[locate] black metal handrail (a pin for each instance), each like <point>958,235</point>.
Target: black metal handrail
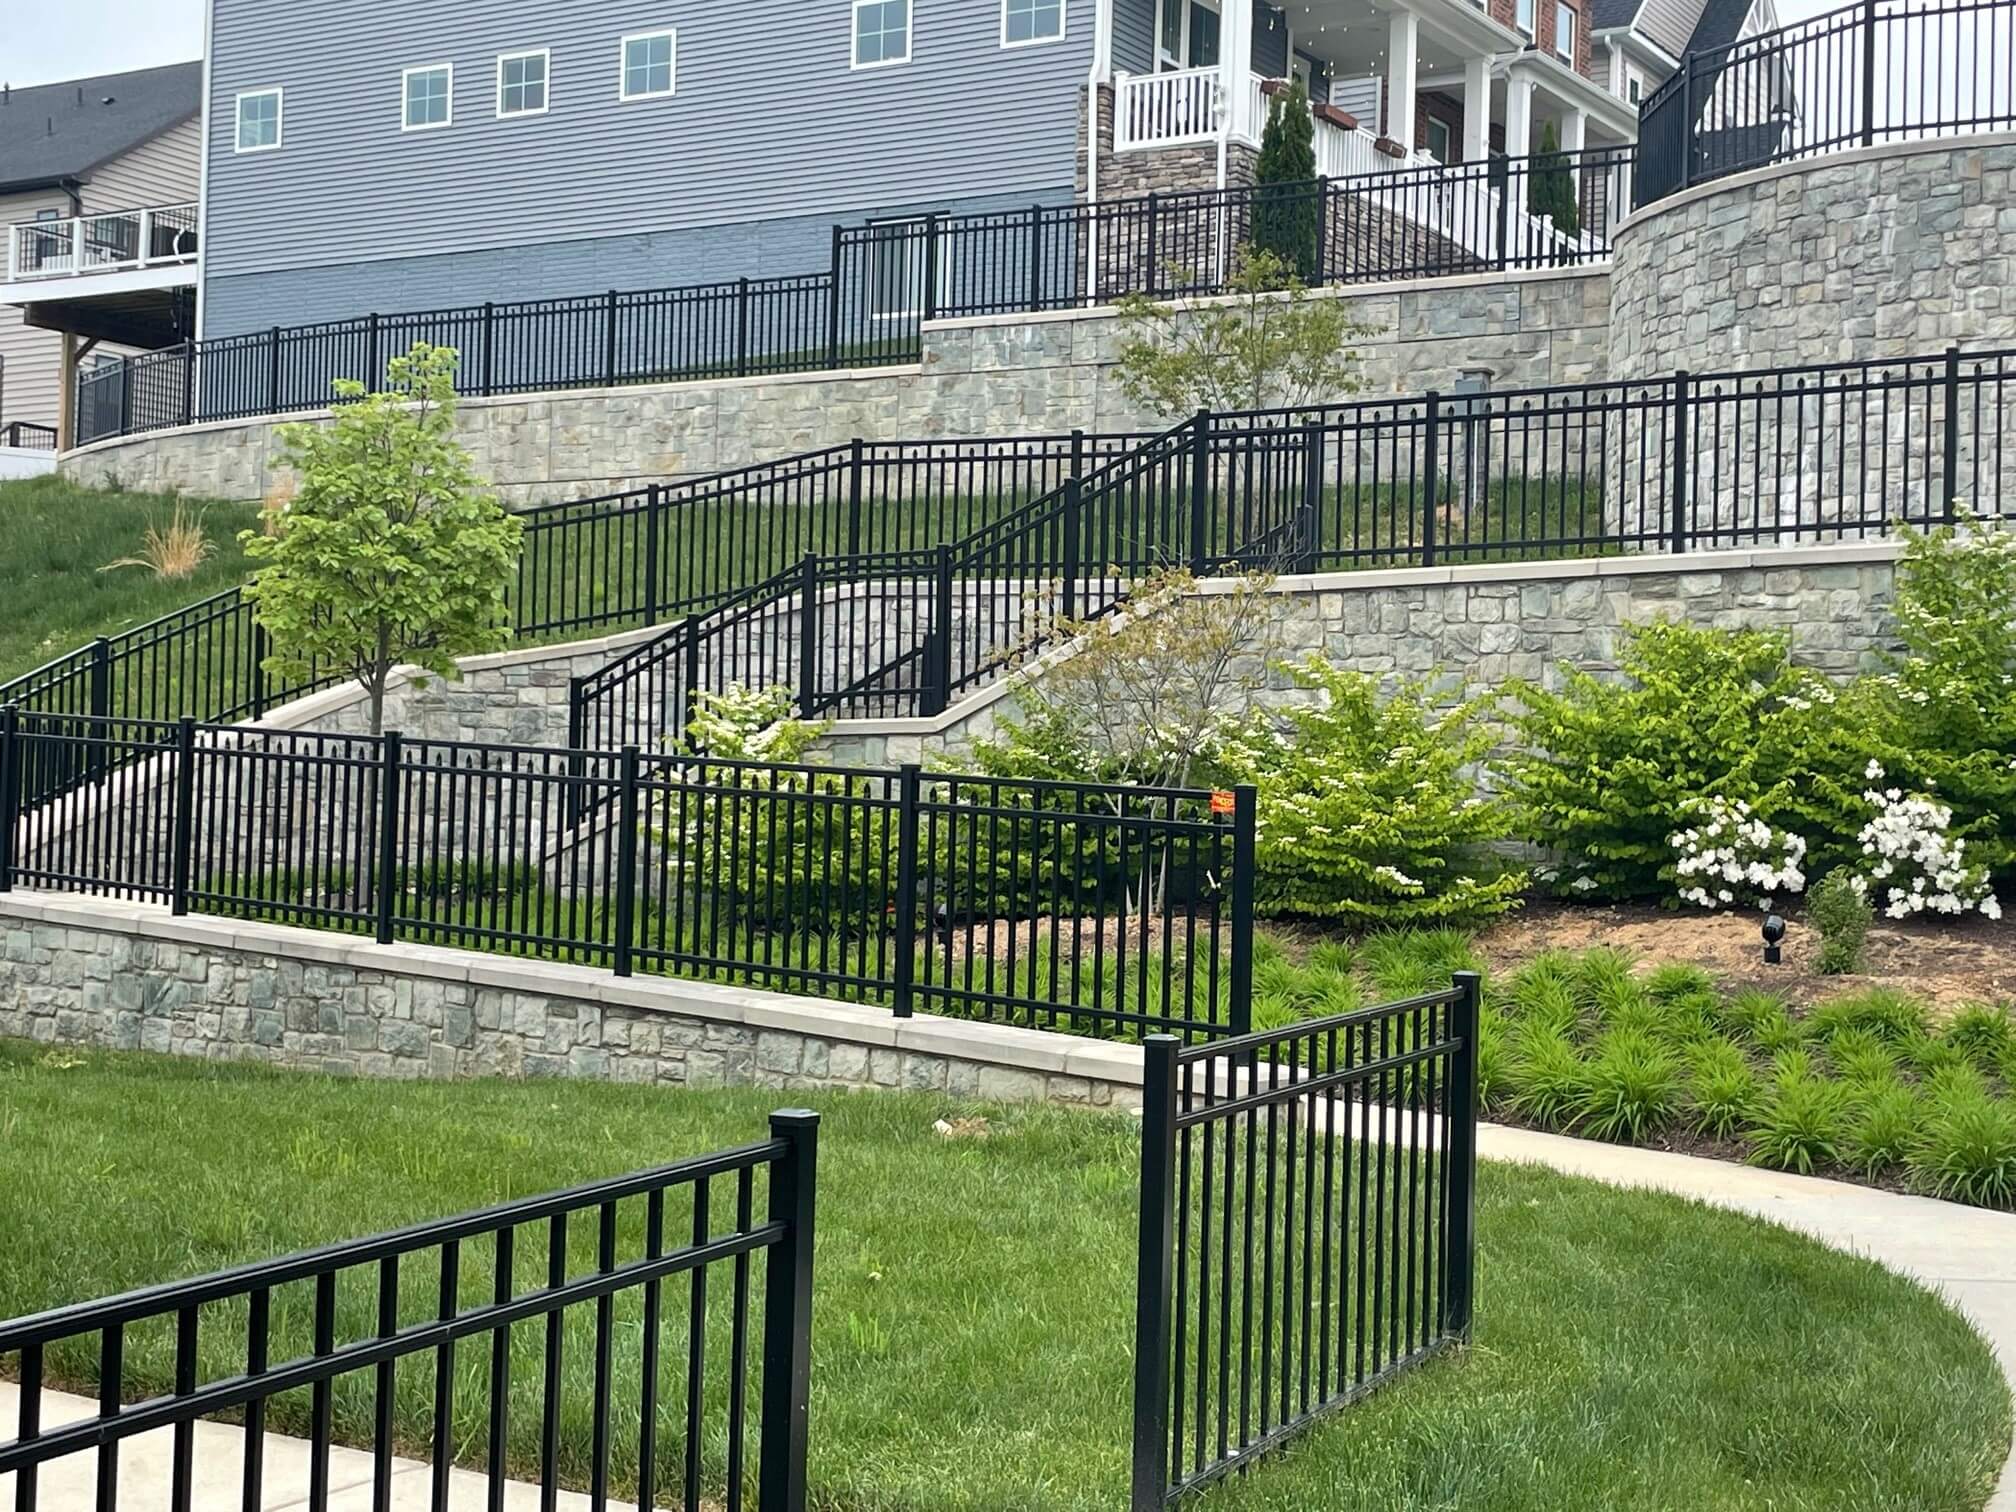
<point>1872,72</point>
<point>628,1270</point>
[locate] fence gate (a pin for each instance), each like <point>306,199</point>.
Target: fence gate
<point>1307,1228</point>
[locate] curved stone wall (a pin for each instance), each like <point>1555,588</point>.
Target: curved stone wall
<point>1887,251</point>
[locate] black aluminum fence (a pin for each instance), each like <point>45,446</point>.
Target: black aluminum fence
<point>430,1335</point>
<point>1307,1228</point>
<point>1087,908</point>
<point>1877,71</point>
<point>1674,464</point>
<point>27,435</point>
<point>886,279</point>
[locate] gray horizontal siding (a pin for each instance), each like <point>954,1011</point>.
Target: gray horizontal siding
<point>1270,42</point>
<point>768,121</point>
<point>1134,36</point>
<point>250,302</point>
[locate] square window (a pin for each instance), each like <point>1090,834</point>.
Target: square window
<point>881,32</point>
<point>1026,21</point>
<point>259,121</point>
<point>648,65</point>
<point>1564,31</point>
<point>521,83</point>
<point>429,97</point>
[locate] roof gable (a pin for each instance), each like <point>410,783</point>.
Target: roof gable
<point>52,132</point>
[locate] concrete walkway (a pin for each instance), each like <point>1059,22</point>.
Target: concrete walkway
<point>1967,1255</point>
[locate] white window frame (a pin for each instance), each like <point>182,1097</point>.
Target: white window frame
<point>1063,26</point>
<point>546,82</point>
<point>406,100</point>
<point>1181,61</point>
<point>1634,87</point>
<point>1564,11</point>
<point>1435,124</point>
<point>1526,16</point>
<point>279,119</point>
<point>671,35</point>
<point>854,37</point>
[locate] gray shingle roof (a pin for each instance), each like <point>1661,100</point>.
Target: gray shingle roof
<point>47,136</point>
<point>1608,13</point>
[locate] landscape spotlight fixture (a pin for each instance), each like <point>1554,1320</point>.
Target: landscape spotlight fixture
<point>1774,932</point>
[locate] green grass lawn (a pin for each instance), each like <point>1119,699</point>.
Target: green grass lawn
<point>59,535</point>
<point>974,1303</point>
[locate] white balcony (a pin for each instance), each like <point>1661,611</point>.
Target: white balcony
<point>89,246</point>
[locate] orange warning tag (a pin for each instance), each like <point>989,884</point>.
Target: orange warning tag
<point>1223,802</point>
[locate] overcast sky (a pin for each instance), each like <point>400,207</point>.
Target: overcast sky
<point>43,41</point>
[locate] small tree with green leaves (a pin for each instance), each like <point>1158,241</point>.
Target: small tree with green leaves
<point>1550,188</point>
<point>1286,201</point>
<point>391,550</point>
<point>1269,343</point>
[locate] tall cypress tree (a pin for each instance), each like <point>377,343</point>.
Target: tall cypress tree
<point>1286,201</point>
<point>1550,187</point>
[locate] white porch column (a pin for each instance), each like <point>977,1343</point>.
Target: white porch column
<point>1476,110</point>
<point>1518,115</point>
<point>1574,133</point>
<point>1402,50</point>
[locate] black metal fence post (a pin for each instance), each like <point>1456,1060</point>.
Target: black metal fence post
<point>856,464</point>
<point>626,862</point>
<point>787,1315</point>
<point>273,371</point>
<point>690,688</point>
<point>1680,420</point>
<point>808,636</point>
<point>833,301</point>
<point>1036,257</point>
<point>489,349</point>
<point>1308,529</point>
<point>1321,273</point>
<point>1154,1279</point>
<point>1868,72</point>
<point>931,271</point>
<point>1950,441</point>
<point>938,656</point>
<point>390,752</point>
<point>654,510</point>
<point>1431,486</point>
<point>1460,1151</point>
<point>1245,836</point>
<point>609,342</point>
<point>11,762</point>
<point>1073,525</point>
<point>188,382</point>
<point>576,803</point>
<point>1154,224</point>
<point>1200,494</point>
<point>126,396</point>
<point>1686,120</point>
<point>256,675</point>
<point>372,371</point>
<point>903,931</point>
<point>182,846</point>
<point>101,708</point>
<point>742,328</point>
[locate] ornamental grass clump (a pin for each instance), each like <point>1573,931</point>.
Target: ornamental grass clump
<point>1548,1079</point>
<point>1634,1088</point>
<point>1882,1129</point>
<point>1966,1150</point>
<point>1800,1125</point>
<point>1724,1089</point>
<point>1985,1036</point>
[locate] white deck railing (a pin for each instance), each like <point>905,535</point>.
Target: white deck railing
<point>114,242</point>
<point>1165,109</point>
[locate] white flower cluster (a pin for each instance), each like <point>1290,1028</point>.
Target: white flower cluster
<point>1912,863</point>
<point>1397,879</point>
<point>1733,856</point>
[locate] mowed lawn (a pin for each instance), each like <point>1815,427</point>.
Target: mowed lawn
<point>54,597</point>
<point>974,1299</point>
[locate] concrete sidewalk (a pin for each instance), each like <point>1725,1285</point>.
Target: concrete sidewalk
<point>1967,1255</point>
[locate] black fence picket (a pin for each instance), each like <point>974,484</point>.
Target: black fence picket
<point>615,1272</point>
<point>1307,1228</point>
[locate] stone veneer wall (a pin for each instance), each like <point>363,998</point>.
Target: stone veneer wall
<point>1482,626</point>
<point>1889,251</point>
<point>1018,374</point>
<point>127,976</point>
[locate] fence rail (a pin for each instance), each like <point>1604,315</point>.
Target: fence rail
<point>1087,908</point>
<point>1876,71</point>
<point>460,1311</point>
<point>28,435</point>
<point>1307,1228</point>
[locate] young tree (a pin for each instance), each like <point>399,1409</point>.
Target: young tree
<point>1550,188</point>
<point>1286,201</point>
<point>1269,343</point>
<point>391,550</point>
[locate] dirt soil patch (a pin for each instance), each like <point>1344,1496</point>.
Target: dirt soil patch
<point>1952,962</point>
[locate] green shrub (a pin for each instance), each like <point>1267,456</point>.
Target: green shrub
<point>1862,1060</point>
<point>1492,1055</point>
<point>1894,1017</point>
<point>1985,1036</point>
<point>1842,915</point>
<point>1633,1088</point>
<point>1548,1079</point>
<point>1799,1128</point>
<point>1967,1150</point>
<point>1607,771</point>
<point>1674,980</point>
<point>1724,1089</point>
<point>1605,976</point>
<point>1882,1128</point>
<point>1761,1018</point>
<point>1369,809</point>
<point>1545,1004</point>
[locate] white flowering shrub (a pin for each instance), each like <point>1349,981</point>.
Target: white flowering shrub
<point>1912,863</point>
<point>1731,858</point>
<point>750,724</point>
